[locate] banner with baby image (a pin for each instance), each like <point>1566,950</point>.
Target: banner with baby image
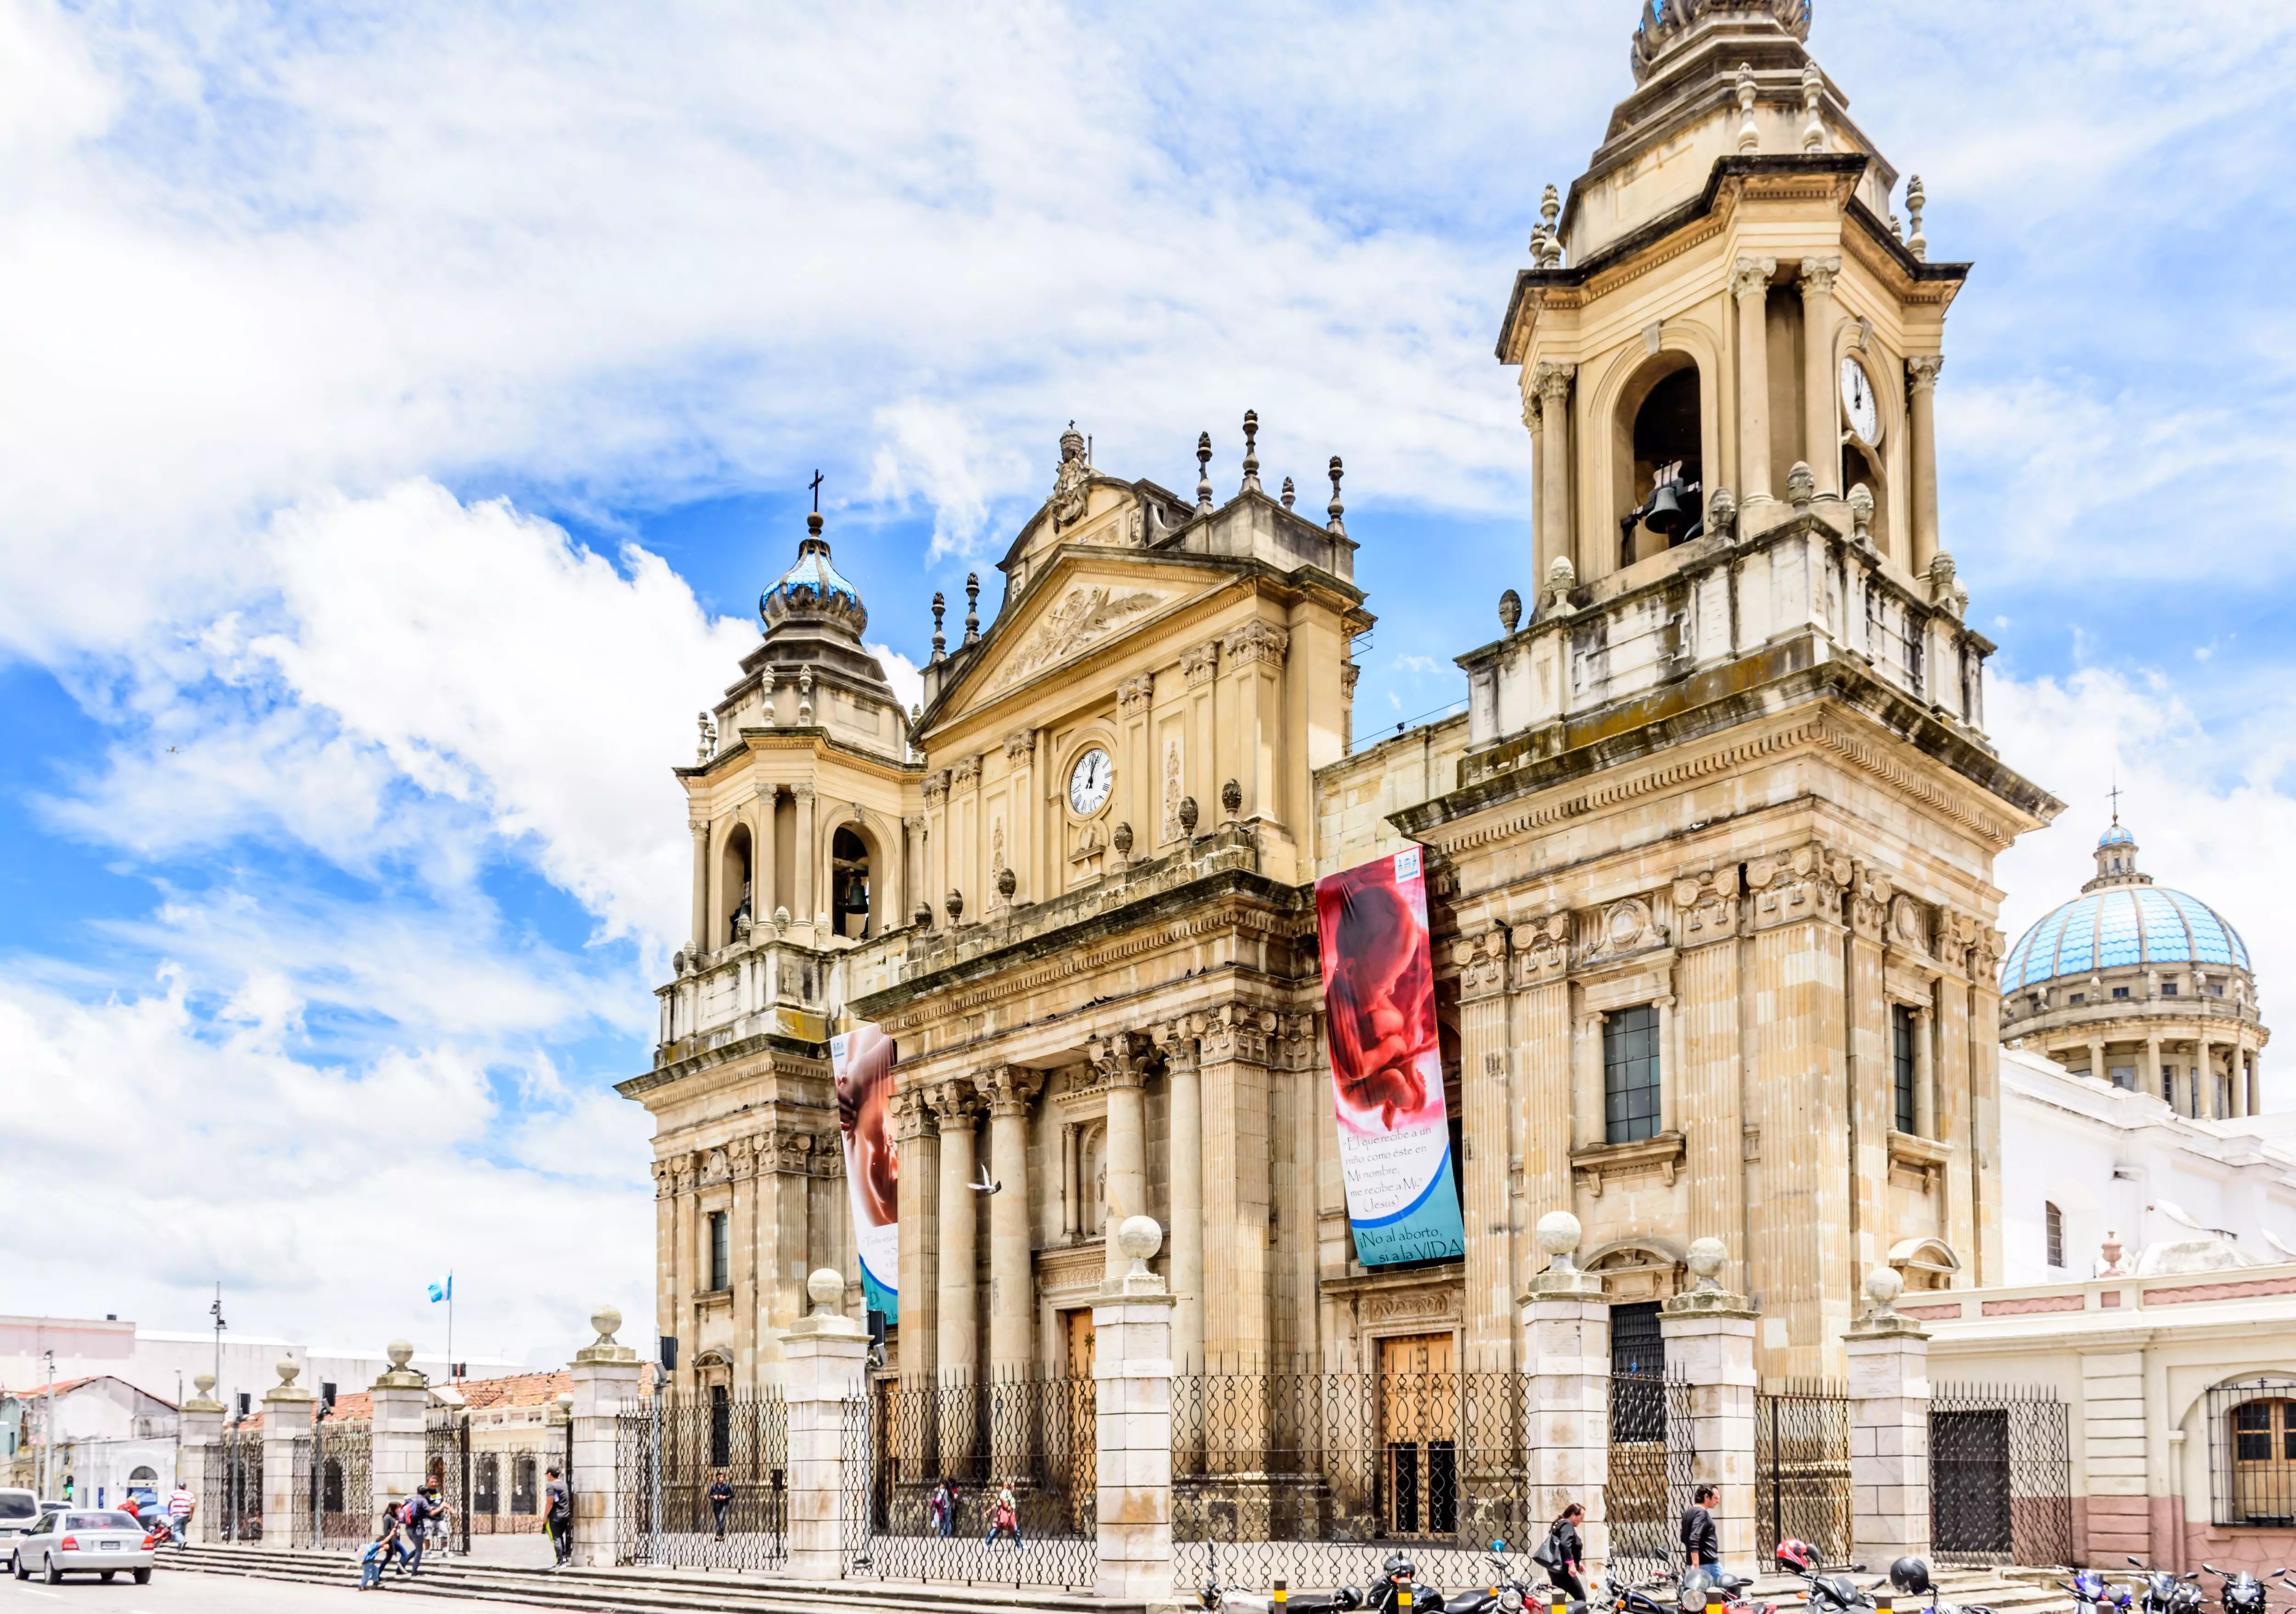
<point>1387,1072</point>
<point>861,1063</point>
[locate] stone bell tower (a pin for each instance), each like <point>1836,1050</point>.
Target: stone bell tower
<point>1723,837</point>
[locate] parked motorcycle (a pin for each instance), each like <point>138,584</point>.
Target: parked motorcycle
<point>2166,1592</point>
<point>1827,1594</point>
<point>2097,1595</point>
<point>1911,1576</point>
<point>2242,1593</point>
<point>1236,1600</point>
<point>1734,1588</point>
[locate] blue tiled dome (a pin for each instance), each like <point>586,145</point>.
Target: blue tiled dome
<point>2116,837</point>
<point>813,588</point>
<point>2118,925</point>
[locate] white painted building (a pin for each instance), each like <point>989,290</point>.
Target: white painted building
<point>102,1434</point>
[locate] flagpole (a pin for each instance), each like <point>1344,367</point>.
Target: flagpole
<point>452,1376</point>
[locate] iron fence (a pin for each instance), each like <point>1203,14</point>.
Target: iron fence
<point>1315,1477</point>
<point>744,1441</point>
<point>343,1511</point>
<point>1649,1482</point>
<point>234,1486</point>
<point>635,1474</point>
<point>1801,1468</point>
<point>447,1464</point>
<point>1029,1436</point>
<point>2000,1475</point>
<point>2253,1452</point>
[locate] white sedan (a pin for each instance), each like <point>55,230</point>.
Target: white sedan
<point>82,1542</point>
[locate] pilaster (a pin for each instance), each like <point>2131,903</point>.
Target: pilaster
<point>1710,1110</point>
<point>400,1401</point>
<point>918,1195</point>
<point>200,1424</point>
<point>1132,1371</point>
<point>1567,1323</point>
<point>1889,1427</point>
<point>1481,961</point>
<point>606,1380</point>
<point>1710,1340</point>
<point>1236,1153</point>
<point>1539,1134</point>
<point>287,1413</point>
<point>1185,1171</point>
<point>826,1354</point>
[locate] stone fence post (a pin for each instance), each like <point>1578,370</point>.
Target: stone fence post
<point>1567,1322</point>
<point>401,1403</point>
<point>202,1427</point>
<point>606,1380</point>
<point>1709,1335</point>
<point>1889,1427</point>
<point>825,1356</point>
<point>1132,1371</point>
<point>287,1413</point>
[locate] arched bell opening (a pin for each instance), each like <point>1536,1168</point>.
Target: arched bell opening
<point>850,890</point>
<point>1659,449</point>
<point>736,898</point>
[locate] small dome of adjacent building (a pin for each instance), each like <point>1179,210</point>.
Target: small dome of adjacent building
<point>2116,837</point>
<point>813,588</point>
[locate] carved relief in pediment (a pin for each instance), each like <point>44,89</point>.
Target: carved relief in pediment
<point>1085,614</point>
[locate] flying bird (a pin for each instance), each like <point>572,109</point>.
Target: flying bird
<point>982,1185</point>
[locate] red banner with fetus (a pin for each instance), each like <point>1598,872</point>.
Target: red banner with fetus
<point>1387,1068</point>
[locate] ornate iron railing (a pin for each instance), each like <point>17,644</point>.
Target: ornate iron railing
<point>742,1440</point>
<point>2000,1475</point>
<point>1649,1482</point>
<point>447,1464</point>
<point>1315,1477</point>
<point>233,1484</point>
<point>1801,1468</point>
<point>342,1506</point>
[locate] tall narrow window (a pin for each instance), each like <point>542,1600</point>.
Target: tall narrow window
<point>721,1252</point>
<point>1630,1074</point>
<point>1901,1051</point>
<point>2054,1222</point>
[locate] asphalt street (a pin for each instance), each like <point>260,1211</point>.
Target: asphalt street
<point>181,1592</point>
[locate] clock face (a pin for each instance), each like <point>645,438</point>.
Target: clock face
<point>1858,403</point>
<point>1089,781</point>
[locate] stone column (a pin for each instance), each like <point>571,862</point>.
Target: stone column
<point>2096,1059</point>
<point>806,860</point>
<point>287,1413</point>
<point>1568,1444</point>
<point>1889,1427</point>
<point>700,940</point>
<point>826,1354</point>
<point>400,1399</point>
<point>1553,384</point>
<point>2151,1082</point>
<point>1821,412</point>
<point>1749,283</point>
<point>201,1424</point>
<point>1012,1283</point>
<point>2205,1079</point>
<point>1184,1172</point>
<point>956,1107</point>
<point>1710,1338</point>
<point>1119,1059</point>
<point>1710,1110</point>
<point>2249,1086</point>
<point>765,883</point>
<point>1920,405</point>
<point>1132,1374</point>
<point>606,1377</point>
<point>918,1139</point>
<point>1234,1045</point>
<point>1925,1072</point>
<point>1483,965</point>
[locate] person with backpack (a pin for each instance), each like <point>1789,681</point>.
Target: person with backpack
<point>941,1509</point>
<point>1563,1554</point>
<point>416,1517</point>
<point>1701,1543</point>
<point>558,1518</point>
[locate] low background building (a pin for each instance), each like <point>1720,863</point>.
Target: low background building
<point>103,1432</point>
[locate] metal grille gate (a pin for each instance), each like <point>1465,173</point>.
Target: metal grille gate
<point>1649,1484</point>
<point>1031,1434</point>
<point>2000,1475</point>
<point>342,1501</point>
<point>1315,1477</point>
<point>744,1440</point>
<point>1801,1468</point>
<point>234,1484</point>
<point>635,1474</point>
<point>447,1464</point>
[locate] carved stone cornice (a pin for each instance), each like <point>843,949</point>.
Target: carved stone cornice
<point>1552,382</point>
<point>1020,742</point>
<point>1256,642</point>
<point>1010,1087</point>
<point>1750,276</point>
<point>1134,694</point>
<point>1482,964</point>
<point>1542,948</point>
<point>1804,884</point>
<point>1706,906</point>
<point>1199,663</point>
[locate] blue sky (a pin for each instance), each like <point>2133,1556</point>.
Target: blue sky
<point>405,406</point>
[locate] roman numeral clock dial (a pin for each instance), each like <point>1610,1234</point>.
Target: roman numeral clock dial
<point>1089,782</point>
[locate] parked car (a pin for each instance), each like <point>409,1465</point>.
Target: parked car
<point>75,1541</point>
<point>19,1509</point>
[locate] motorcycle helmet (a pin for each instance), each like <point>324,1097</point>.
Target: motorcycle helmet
<point>1910,1574</point>
<point>1796,1556</point>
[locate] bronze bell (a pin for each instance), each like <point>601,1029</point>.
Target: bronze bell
<point>1666,513</point>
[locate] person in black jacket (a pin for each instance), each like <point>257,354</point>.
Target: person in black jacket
<point>1701,1543</point>
<point>1564,1556</point>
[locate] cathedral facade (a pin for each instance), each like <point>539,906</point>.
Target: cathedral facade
<point>1709,856</point>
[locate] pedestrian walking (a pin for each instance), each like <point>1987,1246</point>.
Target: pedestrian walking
<point>941,1509</point>
<point>1005,1520</point>
<point>180,1507</point>
<point>422,1509</point>
<point>558,1518</point>
<point>372,1560</point>
<point>1702,1543</point>
<point>721,1497</point>
<point>1563,1554</point>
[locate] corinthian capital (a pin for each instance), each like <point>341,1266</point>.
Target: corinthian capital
<point>1551,381</point>
<point>1817,275</point>
<point>1921,370</point>
<point>1011,1088</point>
<point>1752,277</point>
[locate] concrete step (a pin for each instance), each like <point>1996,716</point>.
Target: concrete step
<point>644,1590</point>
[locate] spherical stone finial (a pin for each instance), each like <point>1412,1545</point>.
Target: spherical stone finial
<point>287,1367</point>
<point>1139,1237</point>
<point>1884,1285</point>
<point>608,1321</point>
<point>1558,1236</point>
<point>1706,1259</point>
<point>400,1353</point>
<point>204,1383</point>
<point>826,1285</point>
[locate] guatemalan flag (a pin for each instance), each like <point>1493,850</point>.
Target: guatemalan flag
<point>443,1291</point>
